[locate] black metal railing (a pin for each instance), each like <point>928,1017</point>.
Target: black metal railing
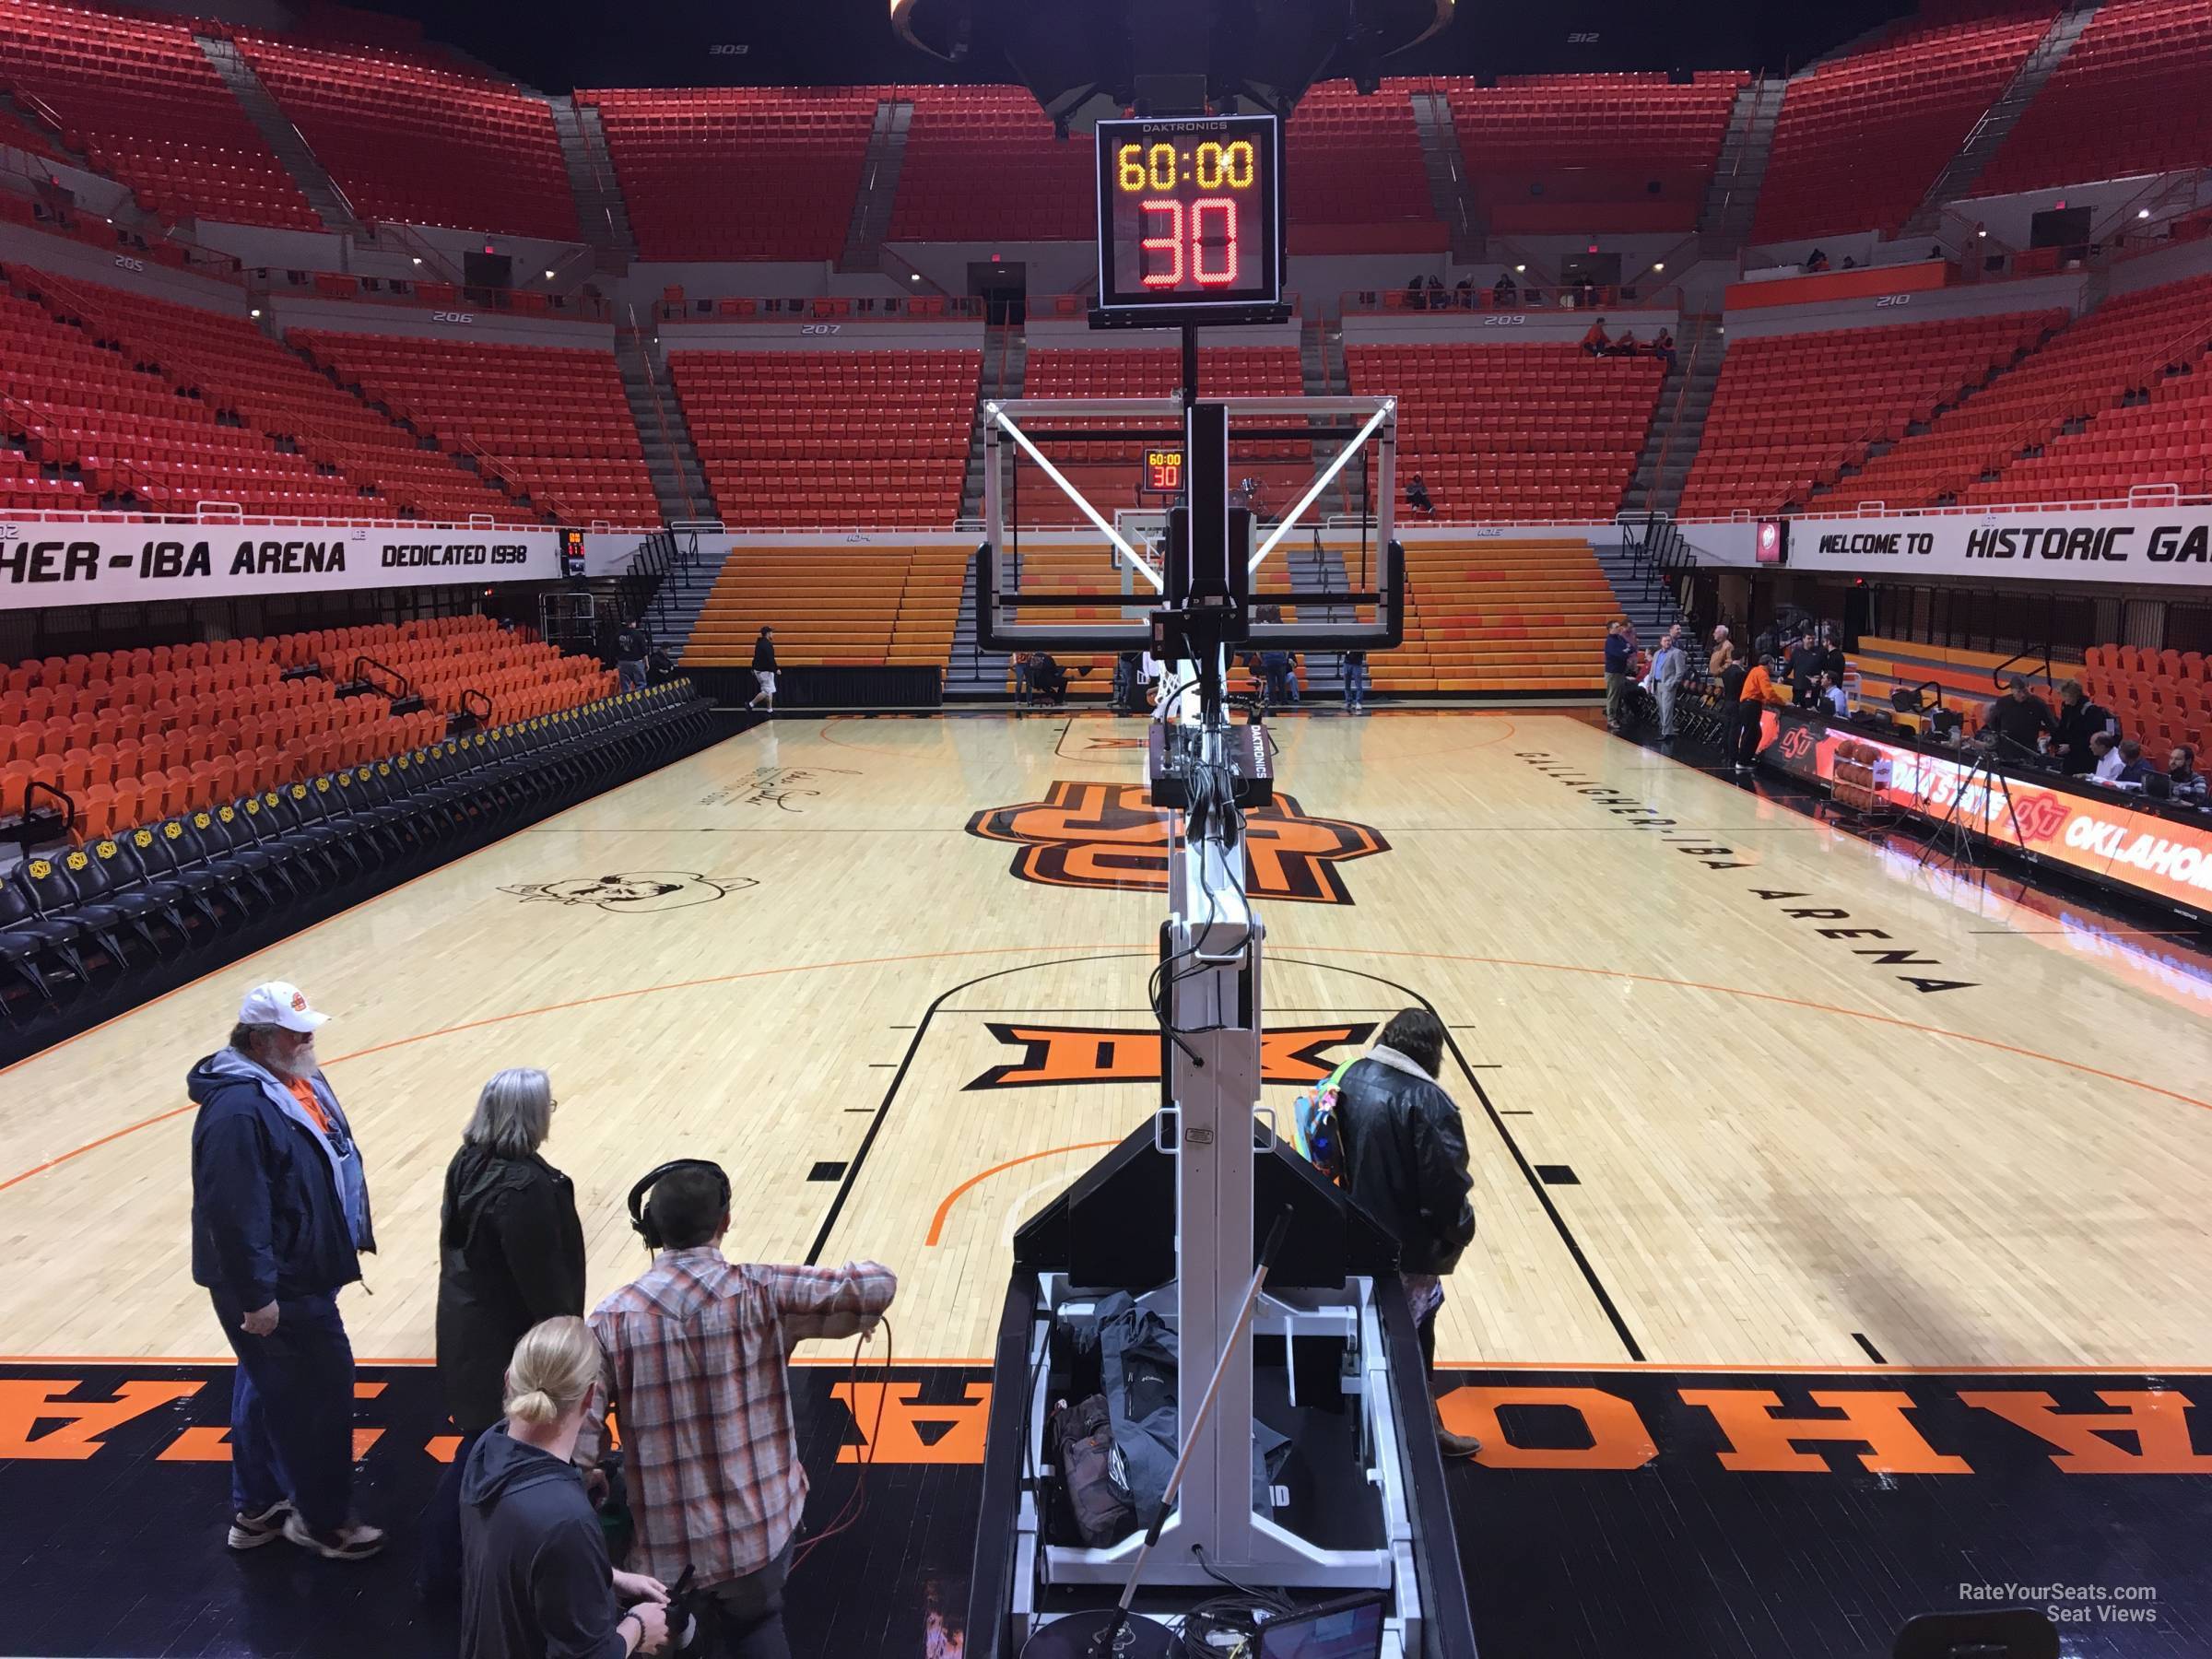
<point>397,685</point>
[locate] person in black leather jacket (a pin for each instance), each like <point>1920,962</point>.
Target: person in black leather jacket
<point>1406,1161</point>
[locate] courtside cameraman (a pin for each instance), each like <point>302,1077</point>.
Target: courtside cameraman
<point>697,1369</point>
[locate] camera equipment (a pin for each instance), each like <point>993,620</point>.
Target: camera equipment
<point>688,1617</point>
<point>646,1228</point>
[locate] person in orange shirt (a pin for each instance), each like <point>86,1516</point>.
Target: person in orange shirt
<point>1760,689</point>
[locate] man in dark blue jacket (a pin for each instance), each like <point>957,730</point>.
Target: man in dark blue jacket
<point>279,1216</point>
<point>1620,662</point>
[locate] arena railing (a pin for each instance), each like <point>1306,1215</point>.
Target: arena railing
<point>348,288</point>
<point>168,246</point>
<point>2136,497</point>
<point>674,307</point>
<point>1371,302</point>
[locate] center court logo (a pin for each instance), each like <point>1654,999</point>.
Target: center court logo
<point>1062,1054</point>
<point>1109,836</point>
<point>635,890</point>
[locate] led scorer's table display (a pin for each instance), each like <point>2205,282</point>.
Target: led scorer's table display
<point>1189,213</point>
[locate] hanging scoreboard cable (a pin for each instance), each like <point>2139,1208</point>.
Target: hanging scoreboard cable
<point>1190,221</point>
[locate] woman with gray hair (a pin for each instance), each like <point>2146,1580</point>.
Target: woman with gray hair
<point>511,1257</point>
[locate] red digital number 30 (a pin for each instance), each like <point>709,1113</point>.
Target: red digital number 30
<point>1223,212</point>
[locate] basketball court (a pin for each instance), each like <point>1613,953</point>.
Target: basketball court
<point>1740,1090</point>
<point>1767,1124</point>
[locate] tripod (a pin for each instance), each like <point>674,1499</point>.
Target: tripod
<point>1955,835</point>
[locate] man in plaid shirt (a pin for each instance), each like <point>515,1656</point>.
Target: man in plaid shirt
<point>697,1352</point>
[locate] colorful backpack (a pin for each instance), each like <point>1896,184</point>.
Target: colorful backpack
<point>1315,1130</point>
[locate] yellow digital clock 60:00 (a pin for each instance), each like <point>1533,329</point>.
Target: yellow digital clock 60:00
<point>1208,166</point>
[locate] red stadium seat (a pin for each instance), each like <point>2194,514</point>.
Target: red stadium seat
<point>790,438</point>
<point>1514,433</point>
<point>2128,99</point>
<point>1860,139</point>
<point>1793,412</point>
<point>550,423</point>
<point>141,100</point>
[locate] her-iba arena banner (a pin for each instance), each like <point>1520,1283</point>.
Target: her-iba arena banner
<point>65,563</point>
<point>2168,547</point>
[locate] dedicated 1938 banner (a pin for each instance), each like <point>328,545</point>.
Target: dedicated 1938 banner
<point>2099,834</point>
<point>2170,546</point>
<point>63,563</point>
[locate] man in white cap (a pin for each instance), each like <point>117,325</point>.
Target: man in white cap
<point>280,1218</point>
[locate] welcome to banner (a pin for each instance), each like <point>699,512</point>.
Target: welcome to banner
<point>47,564</point>
<point>2169,547</point>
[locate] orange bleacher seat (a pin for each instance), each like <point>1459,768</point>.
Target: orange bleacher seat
<point>421,140</point>
<point>551,421</point>
<point>1791,412</point>
<point>1109,474</point>
<point>2127,98</point>
<point>1351,160</point>
<point>350,460</point>
<point>737,173</point>
<point>2137,346</point>
<point>859,438</point>
<point>142,102</point>
<point>982,165</point>
<point>1571,152</point>
<point>1514,433</point>
<point>1860,139</point>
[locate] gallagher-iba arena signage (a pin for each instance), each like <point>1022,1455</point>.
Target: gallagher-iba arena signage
<point>2169,546</point>
<point>51,563</point>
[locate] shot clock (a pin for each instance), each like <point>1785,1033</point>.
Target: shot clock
<point>1190,218</point>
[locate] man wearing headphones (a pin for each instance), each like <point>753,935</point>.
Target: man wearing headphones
<point>697,1349</point>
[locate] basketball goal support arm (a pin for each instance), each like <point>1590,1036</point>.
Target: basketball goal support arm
<point>1386,632</point>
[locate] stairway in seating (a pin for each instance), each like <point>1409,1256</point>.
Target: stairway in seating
<point>601,214</point>
<point>1724,222</point>
<point>1006,366</point>
<point>1677,426</point>
<point>320,190</point>
<point>679,484</point>
<point>674,610</point>
<point>1309,570</point>
<point>15,113</point>
<point>1446,164</point>
<point>1648,603</point>
<point>1956,182</point>
<point>878,193</point>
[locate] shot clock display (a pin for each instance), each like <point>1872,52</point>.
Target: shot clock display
<point>1190,215</point>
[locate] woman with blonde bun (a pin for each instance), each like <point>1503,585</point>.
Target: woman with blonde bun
<point>535,1580</point>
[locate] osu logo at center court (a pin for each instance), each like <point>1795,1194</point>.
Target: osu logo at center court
<point>1110,836</point>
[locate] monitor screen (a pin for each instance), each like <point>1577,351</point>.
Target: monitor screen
<point>1773,545</point>
<point>1350,1629</point>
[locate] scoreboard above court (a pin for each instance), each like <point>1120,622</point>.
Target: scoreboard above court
<point>1190,221</point>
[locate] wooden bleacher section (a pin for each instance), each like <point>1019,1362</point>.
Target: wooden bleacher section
<point>1501,616</point>
<point>1885,666</point>
<point>836,606</point>
<point>1077,567</point>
